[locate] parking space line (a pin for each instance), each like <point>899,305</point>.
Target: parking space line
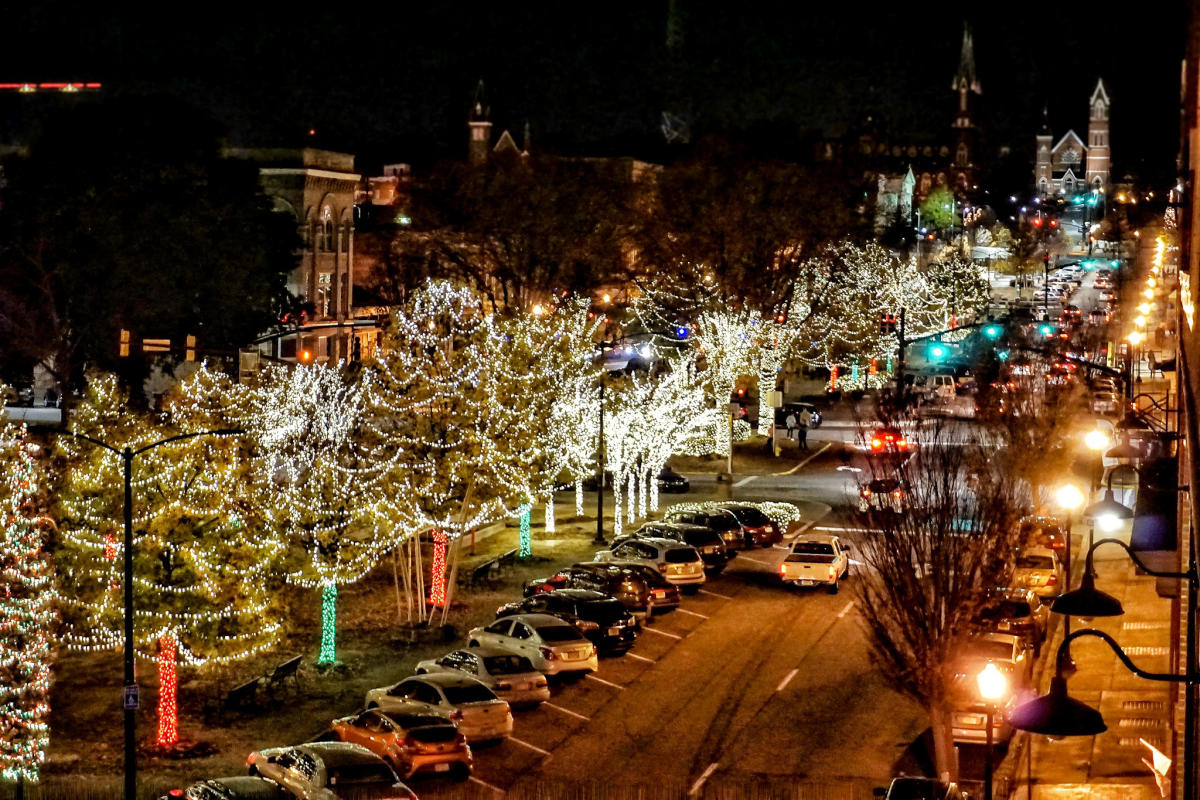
<point>660,633</point>
<point>487,785</point>
<point>533,747</point>
<point>703,777</point>
<point>640,658</point>
<point>788,679</point>
<point>744,481</point>
<point>744,557</point>
<point>566,711</point>
<point>714,594</point>
<point>591,677</point>
<point>692,613</point>
<point>846,610</point>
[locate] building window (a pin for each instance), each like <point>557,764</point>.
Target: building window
<point>327,229</point>
<point>960,158</point>
<point>324,288</point>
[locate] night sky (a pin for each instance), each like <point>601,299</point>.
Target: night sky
<point>394,82</point>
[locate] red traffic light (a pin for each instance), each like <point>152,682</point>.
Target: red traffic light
<point>1037,222</point>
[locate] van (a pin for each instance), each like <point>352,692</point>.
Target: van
<point>941,387</point>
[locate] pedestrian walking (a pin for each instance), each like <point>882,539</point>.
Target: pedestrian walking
<point>802,429</point>
<point>791,424</point>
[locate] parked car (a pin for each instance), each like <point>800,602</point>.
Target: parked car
<point>816,559</point>
<point>1104,402</point>
<point>888,440</point>
<point>671,481</point>
<point>708,543</point>
<point>1042,531</point>
<point>242,787</point>
<point>882,494</point>
<point>412,741</point>
<point>311,771</point>
<point>1039,569</point>
<point>678,563</point>
<point>640,589</point>
<point>481,716</point>
<point>1013,656</point>
<point>757,527</point>
<point>553,647</point>
<point>602,619</point>
<point>1016,611</point>
<point>510,676</point>
<point>720,521</point>
<point>797,408</point>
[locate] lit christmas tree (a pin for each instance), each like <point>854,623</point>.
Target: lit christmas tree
<point>27,617</point>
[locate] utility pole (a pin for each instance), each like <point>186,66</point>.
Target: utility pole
<point>900,381</point>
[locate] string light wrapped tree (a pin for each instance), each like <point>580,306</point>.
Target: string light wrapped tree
<point>449,421</point>
<point>28,614</point>
<point>320,492</point>
<point>201,564</point>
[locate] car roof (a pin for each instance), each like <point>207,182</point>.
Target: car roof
<point>536,620</point>
<point>1015,593</point>
<point>577,594</point>
<point>487,651</point>
<point>661,542</point>
<point>449,679</point>
<point>339,754</point>
<point>243,787</point>
<point>1039,551</point>
<point>682,527</point>
<point>885,484</point>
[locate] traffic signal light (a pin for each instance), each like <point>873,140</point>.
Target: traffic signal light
<point>992,331</point>
<point>1046,329</point>
<point>937,350</point>
<point>1002,355</point>
<point>1037,222</point>
<point>1114,263</point>
<point>1053,223</point>
<point>1046,259</point>
<point>124,343</point>
<point>887,323</point>
<point>190,349</point>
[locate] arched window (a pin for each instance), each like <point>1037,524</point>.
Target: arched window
<point>327,229</point>
<point>960,158</point>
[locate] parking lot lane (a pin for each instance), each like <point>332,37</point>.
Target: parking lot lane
<point>673,721</point>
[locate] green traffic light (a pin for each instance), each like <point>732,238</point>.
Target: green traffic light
<point>937,351</point>
<point>992,331</point>
<point>1046,330</point>
<point>1002,355</point>
<point>1114,263</point>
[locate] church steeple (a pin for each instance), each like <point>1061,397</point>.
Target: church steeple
<point>965,84</point>
<point>964,79</point>
<point>480,125</point>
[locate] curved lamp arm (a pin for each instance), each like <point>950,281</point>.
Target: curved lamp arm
<point>1063,650</point>
<point>1190,574</point>
<point>176,438</point>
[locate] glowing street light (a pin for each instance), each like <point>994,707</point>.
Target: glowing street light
<point>1069,497</point>
<point>993,687</point>
<point>1135,338</point>
<point>1140,321</point>
<point>1097,440</point>
<point>1144,308</point>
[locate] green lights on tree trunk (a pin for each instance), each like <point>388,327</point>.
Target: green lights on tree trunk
<point>328,624</point>
<point>525,549</point>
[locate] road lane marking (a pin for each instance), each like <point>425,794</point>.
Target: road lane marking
<point>693,613</point>
<point>640,658</point>
<point>744,481</point>
<point>714,594</point>
<point>703,777</point>
<point>566,711</point>
<point>793,470</point>
<point>787,679</point>
<point>592,677</point>
<point>846,610</point>
<point>532,747</point>
<point>660,633</point>
<point>487,785</point>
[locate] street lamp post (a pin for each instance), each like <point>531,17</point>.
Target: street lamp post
<point>993,686</point>
<point>130,693</point>
<point>1069,498</point>
<point>598,539</point>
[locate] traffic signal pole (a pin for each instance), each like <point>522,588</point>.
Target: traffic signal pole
<point>900,387</point>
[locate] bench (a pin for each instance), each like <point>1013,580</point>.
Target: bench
<point>489,572</point>
<point>239,698</point>
<point>288,670</point>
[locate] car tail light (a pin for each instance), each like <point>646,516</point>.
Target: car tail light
<point>547,653</point>
<point>866,492</point>
<point>586,625</point>
<point>1052,580</point>
<point>175,793</point>
<point>782,569</point>
<point>661,565</point>
<point>593,649</point>
<point>541,683</point>
<point>897,494</point>
<point>876,444</point>
<point>832,573</point>
<point>456,715</point>
<point>902,444</point>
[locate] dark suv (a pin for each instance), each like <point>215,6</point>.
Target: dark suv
<point>602,618</point>
<point>718,520</point>
<point>707,542</point>
<point>640,589</point>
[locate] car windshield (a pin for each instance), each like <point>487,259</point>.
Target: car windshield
<point>813,548</point>
<point>409,721</point>
<point>681,555</point>
<point>990,651</point>
<point>701,538</point>
<point>603,610</point>
<point>751,516</point>
<point>558,633</point>
<point>507,665</point>
<point>435,734</point>
<point>1009,609</point>
<point>649,576</point>
<point>468,693</point>
<point>915,789</point>
<point>1035,562</point>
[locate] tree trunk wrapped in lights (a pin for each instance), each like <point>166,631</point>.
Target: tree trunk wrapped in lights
<point>27,614</point>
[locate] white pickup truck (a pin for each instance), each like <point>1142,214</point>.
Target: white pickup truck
<point>816,559</point>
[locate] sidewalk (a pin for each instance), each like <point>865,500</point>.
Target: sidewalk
<point>1109,765</point>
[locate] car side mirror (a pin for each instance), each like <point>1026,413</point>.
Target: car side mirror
<point>879,791</point>
<point>845,548</point>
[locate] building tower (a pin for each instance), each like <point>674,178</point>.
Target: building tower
<point>1098,156</point>
<point>1042,170</point>
<point>965,84</point>
<point>480,126</point>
